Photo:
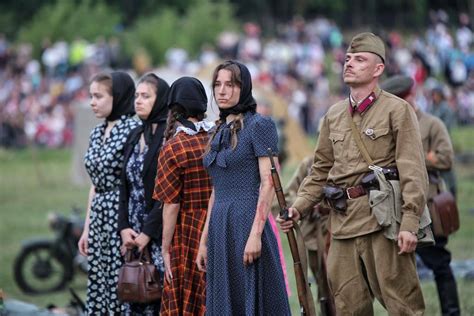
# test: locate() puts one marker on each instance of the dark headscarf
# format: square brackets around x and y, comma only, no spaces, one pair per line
[189,93]
[159,112]
[246,101]
[123,93]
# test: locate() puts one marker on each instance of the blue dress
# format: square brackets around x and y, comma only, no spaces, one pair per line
[136,218]
[233,288]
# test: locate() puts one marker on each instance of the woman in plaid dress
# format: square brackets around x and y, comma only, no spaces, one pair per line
[184,187]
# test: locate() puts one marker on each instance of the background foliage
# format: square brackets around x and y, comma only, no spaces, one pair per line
[193,23]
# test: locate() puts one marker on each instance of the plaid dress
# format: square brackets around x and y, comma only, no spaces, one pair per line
[181,178]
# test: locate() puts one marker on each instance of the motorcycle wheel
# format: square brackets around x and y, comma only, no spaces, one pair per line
[39,269]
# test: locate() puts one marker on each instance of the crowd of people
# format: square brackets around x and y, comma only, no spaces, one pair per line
[301,62]
[197,195]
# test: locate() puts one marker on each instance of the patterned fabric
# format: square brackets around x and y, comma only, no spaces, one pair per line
[136,218]
[103,162]
[232,288]
[182,179]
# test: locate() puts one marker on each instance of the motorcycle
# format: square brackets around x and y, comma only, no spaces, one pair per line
[48,265]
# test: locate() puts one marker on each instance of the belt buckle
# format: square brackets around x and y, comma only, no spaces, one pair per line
[348,193]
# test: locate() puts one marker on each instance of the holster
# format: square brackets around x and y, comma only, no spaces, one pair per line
[336,198]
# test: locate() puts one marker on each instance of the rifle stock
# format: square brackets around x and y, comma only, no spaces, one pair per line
[304,298]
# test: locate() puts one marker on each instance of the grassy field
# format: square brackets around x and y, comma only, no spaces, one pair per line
[33,183]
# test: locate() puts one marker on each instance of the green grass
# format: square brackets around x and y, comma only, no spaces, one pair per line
[32,183]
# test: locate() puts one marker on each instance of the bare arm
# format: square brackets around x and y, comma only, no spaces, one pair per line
[201,259]
[82,244]
[170,217]
[254,244]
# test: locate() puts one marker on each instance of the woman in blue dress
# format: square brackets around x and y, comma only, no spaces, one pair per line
[140,221]
[238,248]
[112,100]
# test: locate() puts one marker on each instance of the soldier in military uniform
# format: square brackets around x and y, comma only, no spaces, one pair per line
[362,262]
[439,156]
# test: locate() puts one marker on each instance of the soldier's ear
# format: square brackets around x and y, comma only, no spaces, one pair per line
[378,70]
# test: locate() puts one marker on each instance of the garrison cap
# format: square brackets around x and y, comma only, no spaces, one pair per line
[367,42]
[398,85]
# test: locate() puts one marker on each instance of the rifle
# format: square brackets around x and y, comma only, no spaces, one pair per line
[305,297]
[326,300]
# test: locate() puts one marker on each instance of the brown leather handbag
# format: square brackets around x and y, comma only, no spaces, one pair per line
[139,280]
[444,214]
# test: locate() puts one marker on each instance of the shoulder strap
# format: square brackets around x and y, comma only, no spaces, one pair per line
[359,142]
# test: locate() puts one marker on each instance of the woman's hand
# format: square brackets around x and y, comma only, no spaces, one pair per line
[128,238]
[253,249]
[83,244]
[167,262]
[201,259]
[141,241]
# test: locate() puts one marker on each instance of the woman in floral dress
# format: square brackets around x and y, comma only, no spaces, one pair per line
[111,99]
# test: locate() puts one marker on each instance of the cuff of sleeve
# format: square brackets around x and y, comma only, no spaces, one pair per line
[303,205]
[152,233]
[122,227]
[410,222]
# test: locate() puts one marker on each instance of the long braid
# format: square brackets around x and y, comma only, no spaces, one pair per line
[219,122]
[170,124]
[237,126]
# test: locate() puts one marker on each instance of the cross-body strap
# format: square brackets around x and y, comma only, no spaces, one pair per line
[360,144]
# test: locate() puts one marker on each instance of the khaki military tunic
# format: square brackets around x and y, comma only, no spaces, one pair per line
[435,138]
[389,130]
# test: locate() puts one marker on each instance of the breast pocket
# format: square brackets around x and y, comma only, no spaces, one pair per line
[379,142]
[337,140]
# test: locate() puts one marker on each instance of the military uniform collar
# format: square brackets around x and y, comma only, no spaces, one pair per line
[366,103]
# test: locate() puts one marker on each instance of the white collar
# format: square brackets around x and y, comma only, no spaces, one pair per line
[201,125]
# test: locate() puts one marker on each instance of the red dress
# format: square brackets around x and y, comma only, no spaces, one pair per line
[181,178]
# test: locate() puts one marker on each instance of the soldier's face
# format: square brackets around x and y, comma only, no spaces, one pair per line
[361,68]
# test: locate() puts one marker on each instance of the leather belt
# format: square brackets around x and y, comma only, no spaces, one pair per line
[355,192]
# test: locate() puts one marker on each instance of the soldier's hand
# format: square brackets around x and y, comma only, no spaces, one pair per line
[287,225]
[407,242]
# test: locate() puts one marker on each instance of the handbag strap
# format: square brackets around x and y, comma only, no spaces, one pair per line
[145,255]
[360,144]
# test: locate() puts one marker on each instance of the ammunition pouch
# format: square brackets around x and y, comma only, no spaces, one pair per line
[336,198]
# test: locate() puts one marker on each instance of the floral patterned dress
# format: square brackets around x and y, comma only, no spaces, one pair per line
[103,162]
[136,218]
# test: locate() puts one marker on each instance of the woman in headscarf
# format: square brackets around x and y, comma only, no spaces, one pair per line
[112,100]
[238,249]
[184,187]
[140,217]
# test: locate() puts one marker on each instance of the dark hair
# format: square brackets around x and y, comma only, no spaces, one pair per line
[104,78]
[235,76]
[175,111]
[238,124]
[151,79]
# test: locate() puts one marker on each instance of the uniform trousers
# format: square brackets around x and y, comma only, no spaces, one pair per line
[369,266]
[437,258]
